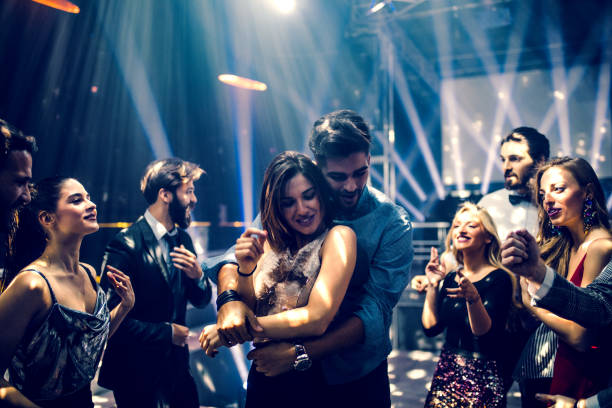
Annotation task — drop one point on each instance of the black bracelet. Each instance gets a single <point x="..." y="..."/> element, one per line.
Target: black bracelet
<point x="227" y="296"/>
<point x="246" y="274"/>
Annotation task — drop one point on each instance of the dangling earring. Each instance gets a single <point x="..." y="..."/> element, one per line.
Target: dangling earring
<point x="552" y="229"/>
<point x="587" y="215"/>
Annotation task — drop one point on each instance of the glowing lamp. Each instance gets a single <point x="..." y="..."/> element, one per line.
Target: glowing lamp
<point x="241" y="82"/>
<point x="377" y="7"/>
<point x="63" y="5"/>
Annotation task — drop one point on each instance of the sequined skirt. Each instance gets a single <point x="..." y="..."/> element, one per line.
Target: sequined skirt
<point x="463" y="380"/>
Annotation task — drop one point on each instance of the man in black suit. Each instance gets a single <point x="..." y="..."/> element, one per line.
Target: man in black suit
<point x="146" y="362"/>
<point x="590" y="307"/>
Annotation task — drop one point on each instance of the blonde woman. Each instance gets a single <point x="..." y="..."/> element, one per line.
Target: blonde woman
<point x="471" y="303"/>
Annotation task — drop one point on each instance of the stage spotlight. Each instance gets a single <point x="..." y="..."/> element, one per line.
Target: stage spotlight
<point x="377" y="7"/>
<point x="241" y="82"/>
<point x="285" y="6"/>
<point x="559" y="95"/>
<point x="63" y="5"/>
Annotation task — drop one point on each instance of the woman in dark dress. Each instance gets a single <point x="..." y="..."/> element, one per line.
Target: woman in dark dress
<point x="54" y="317"/>
<point x="472" y="304"/>
<point x="293" y="274"/>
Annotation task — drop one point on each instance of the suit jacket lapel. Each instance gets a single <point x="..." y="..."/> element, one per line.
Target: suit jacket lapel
<point x="153" y="248"/>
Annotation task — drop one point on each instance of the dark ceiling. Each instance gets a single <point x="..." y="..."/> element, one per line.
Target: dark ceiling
<point x="476" y="37"/>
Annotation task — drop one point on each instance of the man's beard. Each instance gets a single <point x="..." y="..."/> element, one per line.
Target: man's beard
<point x="523" y="183"/>
<point x="8" y="220"/>
<point x="510" y="185"/>
<point x="179" y="213"/>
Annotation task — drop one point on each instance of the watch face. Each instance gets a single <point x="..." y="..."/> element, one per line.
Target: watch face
<point x="302" y="360"/>
<point x="302" y="363"/>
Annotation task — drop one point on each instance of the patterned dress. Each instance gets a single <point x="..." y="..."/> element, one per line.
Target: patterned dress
<point x="284" y="282"/>
<point x="468" y="373"/>
<point x="58" y="360"/>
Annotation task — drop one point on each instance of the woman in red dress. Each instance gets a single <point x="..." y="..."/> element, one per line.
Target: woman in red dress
<point x="575" y="240"/>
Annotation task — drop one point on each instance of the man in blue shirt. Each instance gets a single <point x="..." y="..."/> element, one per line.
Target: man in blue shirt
<point x="353" y="353"/>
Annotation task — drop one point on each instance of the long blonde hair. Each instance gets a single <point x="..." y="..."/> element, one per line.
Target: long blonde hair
<point x="492" y="249"/>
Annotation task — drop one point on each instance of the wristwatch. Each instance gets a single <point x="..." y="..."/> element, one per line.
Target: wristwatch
<point x="302" y="360"/>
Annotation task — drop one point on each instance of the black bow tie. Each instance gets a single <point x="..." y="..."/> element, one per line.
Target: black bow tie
<point x="519" y="198"/>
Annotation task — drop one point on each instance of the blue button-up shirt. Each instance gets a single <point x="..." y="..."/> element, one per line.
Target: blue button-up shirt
<point x="384" y="232"/>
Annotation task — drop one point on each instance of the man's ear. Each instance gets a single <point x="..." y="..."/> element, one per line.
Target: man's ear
<point x="369" y="156"/>
<point x="164" y="195"/>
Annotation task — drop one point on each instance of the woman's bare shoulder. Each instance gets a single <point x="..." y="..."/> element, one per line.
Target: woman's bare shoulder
<point x="28" y="286"/>
<point x="341" y="231"/>
<point x="600" y="248"/>
<point x="340" y="237"/>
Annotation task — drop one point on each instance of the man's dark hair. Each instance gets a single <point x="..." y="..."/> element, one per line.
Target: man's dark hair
<point x="339" y="134"/>
<point x="13" y="140"/>
<point x="537" y="143"/>
<point x="168" y="174"/>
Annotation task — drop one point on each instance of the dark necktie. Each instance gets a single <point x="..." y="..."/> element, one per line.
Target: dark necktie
<point x="172" y="241"/>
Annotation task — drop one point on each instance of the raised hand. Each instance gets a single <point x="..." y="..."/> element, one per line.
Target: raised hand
<point x="249" y="248"/>
<point x="434" y="271"/>
<point x="186" y="261"/>
<point x="122" y="286"/>
<point x="466" y="290"/>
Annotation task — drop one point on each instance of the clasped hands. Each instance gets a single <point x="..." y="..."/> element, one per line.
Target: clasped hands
<point x="521" y="255"/>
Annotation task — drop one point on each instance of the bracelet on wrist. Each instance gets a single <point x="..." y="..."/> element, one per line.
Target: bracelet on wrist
<point x="229" y="295"/>
<point x="246" y="274"/>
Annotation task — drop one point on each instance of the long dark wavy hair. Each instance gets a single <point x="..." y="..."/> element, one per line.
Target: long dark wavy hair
<point x="282" y="168"/>
<point x="31" y="238"/>
<point x="555" y="246"/>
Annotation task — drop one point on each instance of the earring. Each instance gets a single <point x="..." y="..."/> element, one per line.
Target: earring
<point x="588" y="215"/>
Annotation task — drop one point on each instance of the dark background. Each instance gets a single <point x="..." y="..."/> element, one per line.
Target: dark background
<point x="124" y="82"/>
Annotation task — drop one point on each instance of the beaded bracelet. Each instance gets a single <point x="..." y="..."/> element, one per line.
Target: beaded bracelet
<point x="246" y="274"/>
<point x="227" y="296"/>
